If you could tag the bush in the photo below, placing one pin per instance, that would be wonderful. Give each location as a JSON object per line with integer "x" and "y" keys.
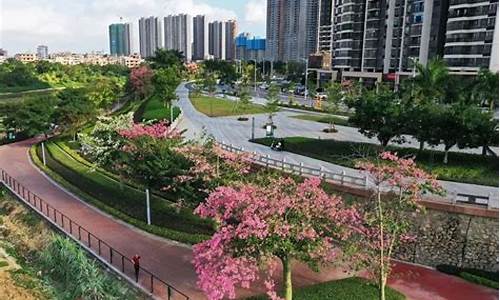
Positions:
{"x": 78, "y": 276}
{"x": 124, "y": 201}
{"x": 489, "y": 279}
{"x": 346, "y": 289}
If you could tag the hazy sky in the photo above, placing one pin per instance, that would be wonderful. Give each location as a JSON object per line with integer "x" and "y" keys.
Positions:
{"x": 82, "y": 25}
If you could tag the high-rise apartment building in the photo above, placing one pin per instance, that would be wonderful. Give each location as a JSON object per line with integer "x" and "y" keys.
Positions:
{"x": 178, "y": 34}
{"x": 274, "y": 30}
{"x": 150, "y": 35}
{"x": 325, "y": 23}
{"x": 200, "y": 38}
{"x": 250, "y": 48}
{"x": 42, "y": 52}
{"x": 292, "y": 29}
{"x": 470, "y": 34}
{"x": 388, "y": 36}
{"x": 120, "y": 39}
{"x": 217, "y": 40}
{"x": 230, "y": 27}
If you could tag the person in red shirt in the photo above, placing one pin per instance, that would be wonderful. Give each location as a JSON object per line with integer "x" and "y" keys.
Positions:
{"x": 137, "y": 265}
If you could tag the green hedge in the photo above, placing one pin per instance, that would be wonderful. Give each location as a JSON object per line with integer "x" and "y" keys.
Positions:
{"x": 346, "y": 289}
{"x": 486, "y": 278}
{"x": 124, "y": 201}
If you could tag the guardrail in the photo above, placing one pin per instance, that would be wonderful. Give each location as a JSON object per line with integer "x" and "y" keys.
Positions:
{"x": 101, "y": 250}
{"x": 300, "y": 169}
{"x": 347, "y": 180}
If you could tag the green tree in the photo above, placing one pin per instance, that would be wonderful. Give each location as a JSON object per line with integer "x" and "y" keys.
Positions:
{"x": 104, "y": 91}
{"x": 31, "y": 116}
{"x": 486, "y": 88}
{"x": 165, "y": 82}
{"x": 225, "y": 71}
{"x": 448, "y": 126}
{"x": 428, "y": 85}
{"x": 335, "y": 97}
{"x": 74, "y": 110}
{"x": 379, "y": 114}
{"x": 164, "y": 58}
{"x": 481, "y": 129}
{"x": 244, "y": 99}
{"x": 272, "y": 101}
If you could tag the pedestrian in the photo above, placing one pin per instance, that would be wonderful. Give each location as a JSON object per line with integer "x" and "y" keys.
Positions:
{"x": 137, "y": 265}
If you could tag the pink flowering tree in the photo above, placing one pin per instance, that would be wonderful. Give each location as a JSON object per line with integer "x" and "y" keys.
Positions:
{"x": 140, "y": 81}
{"x": 397, "y": 188}
{"x": 258, "y": 225}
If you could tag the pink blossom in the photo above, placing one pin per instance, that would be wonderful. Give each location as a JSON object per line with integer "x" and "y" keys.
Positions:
{"x": 157, "y": 131}
{"x": 256, "y": 222}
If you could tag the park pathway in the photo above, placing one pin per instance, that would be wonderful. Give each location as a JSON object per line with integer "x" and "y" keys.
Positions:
{"x": 172, "y": 262}
{"x": 231, "y": 131}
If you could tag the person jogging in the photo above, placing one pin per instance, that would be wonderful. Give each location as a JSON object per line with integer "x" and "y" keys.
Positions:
{"x": 136, "y": 260}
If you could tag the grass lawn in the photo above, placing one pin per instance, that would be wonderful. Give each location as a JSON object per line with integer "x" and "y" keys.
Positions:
{"x": 323, "y": 119}
{"x": 462, "y": 167}
{"x": 217, "y": 107}
{"x": 120, "y": 199}
{"x": 155, "y": 109}
{"x": 345, "y": 289}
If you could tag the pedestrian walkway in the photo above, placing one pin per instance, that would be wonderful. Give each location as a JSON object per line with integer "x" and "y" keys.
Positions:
{"x": 231, "y": 131}
{"x": 171, "y": 261}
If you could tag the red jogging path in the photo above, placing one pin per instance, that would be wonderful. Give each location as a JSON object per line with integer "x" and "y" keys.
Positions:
{"x": 171, "y": 261}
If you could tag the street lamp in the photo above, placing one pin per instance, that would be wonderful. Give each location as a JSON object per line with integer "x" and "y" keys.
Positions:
{"x": 307, "y": 77}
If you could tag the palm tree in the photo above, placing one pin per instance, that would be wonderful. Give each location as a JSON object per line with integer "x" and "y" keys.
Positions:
{"x": 428, "y": 87}
{"x": 486, "y": 88}
{"x": 428, "y": 84}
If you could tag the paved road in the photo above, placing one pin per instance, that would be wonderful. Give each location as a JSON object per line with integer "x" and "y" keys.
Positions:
{"x": 231, "y": 131}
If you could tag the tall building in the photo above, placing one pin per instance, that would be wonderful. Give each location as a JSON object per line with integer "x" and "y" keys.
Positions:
{"x": 250, "y": 48}
{"x": 291, "y": 29}
{"x": 217, "y": 40}
{"x": 230, "y": 27}
{"x": 388, "y": 36}
{"x": 120, "y": 39}
{"x": 42, "y": 52}
{"x": 470, "y": 34}
{"x": 200, "y": 37}
{"x": 150, "y": 35}
{"x": 274, "y": 30}
{"x": 178, "y": 34}
{"x": 325, "y": 23}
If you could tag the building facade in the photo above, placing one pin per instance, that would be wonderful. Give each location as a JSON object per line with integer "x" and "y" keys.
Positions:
{"x": 120, "y": 39}
{"x": 470, "y": 34}
{"x": 248, "y": 48}
{"x": 178, "y": 34}
{"x": 200, "y": 38}
{"x": 217, "y": 40}
{"x": 274, "y": 30}
{"x": 42, "y": 52}
{"x": 389, "y": 36}
{"x": 291, "y": 29}
{"x": 150, "y": 35}
{"x": 231, "y": 28}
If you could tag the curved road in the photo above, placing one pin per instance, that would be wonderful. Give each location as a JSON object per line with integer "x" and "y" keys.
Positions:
{"x": 172, "y": 262}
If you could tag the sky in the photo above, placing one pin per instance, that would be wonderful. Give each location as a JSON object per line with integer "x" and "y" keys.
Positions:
{"x": 82, "y": 25}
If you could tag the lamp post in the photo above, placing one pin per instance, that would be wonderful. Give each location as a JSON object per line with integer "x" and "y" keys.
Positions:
{"x": 307, "y": 78}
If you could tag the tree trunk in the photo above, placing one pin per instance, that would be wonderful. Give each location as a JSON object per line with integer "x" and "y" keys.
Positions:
{"x": 445, "y": 160}
{"x": 287, "y": 278}
{"x": 422, "y": 146}
{"x": 382, "y": 275}
{"x": 485, "y": 150}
